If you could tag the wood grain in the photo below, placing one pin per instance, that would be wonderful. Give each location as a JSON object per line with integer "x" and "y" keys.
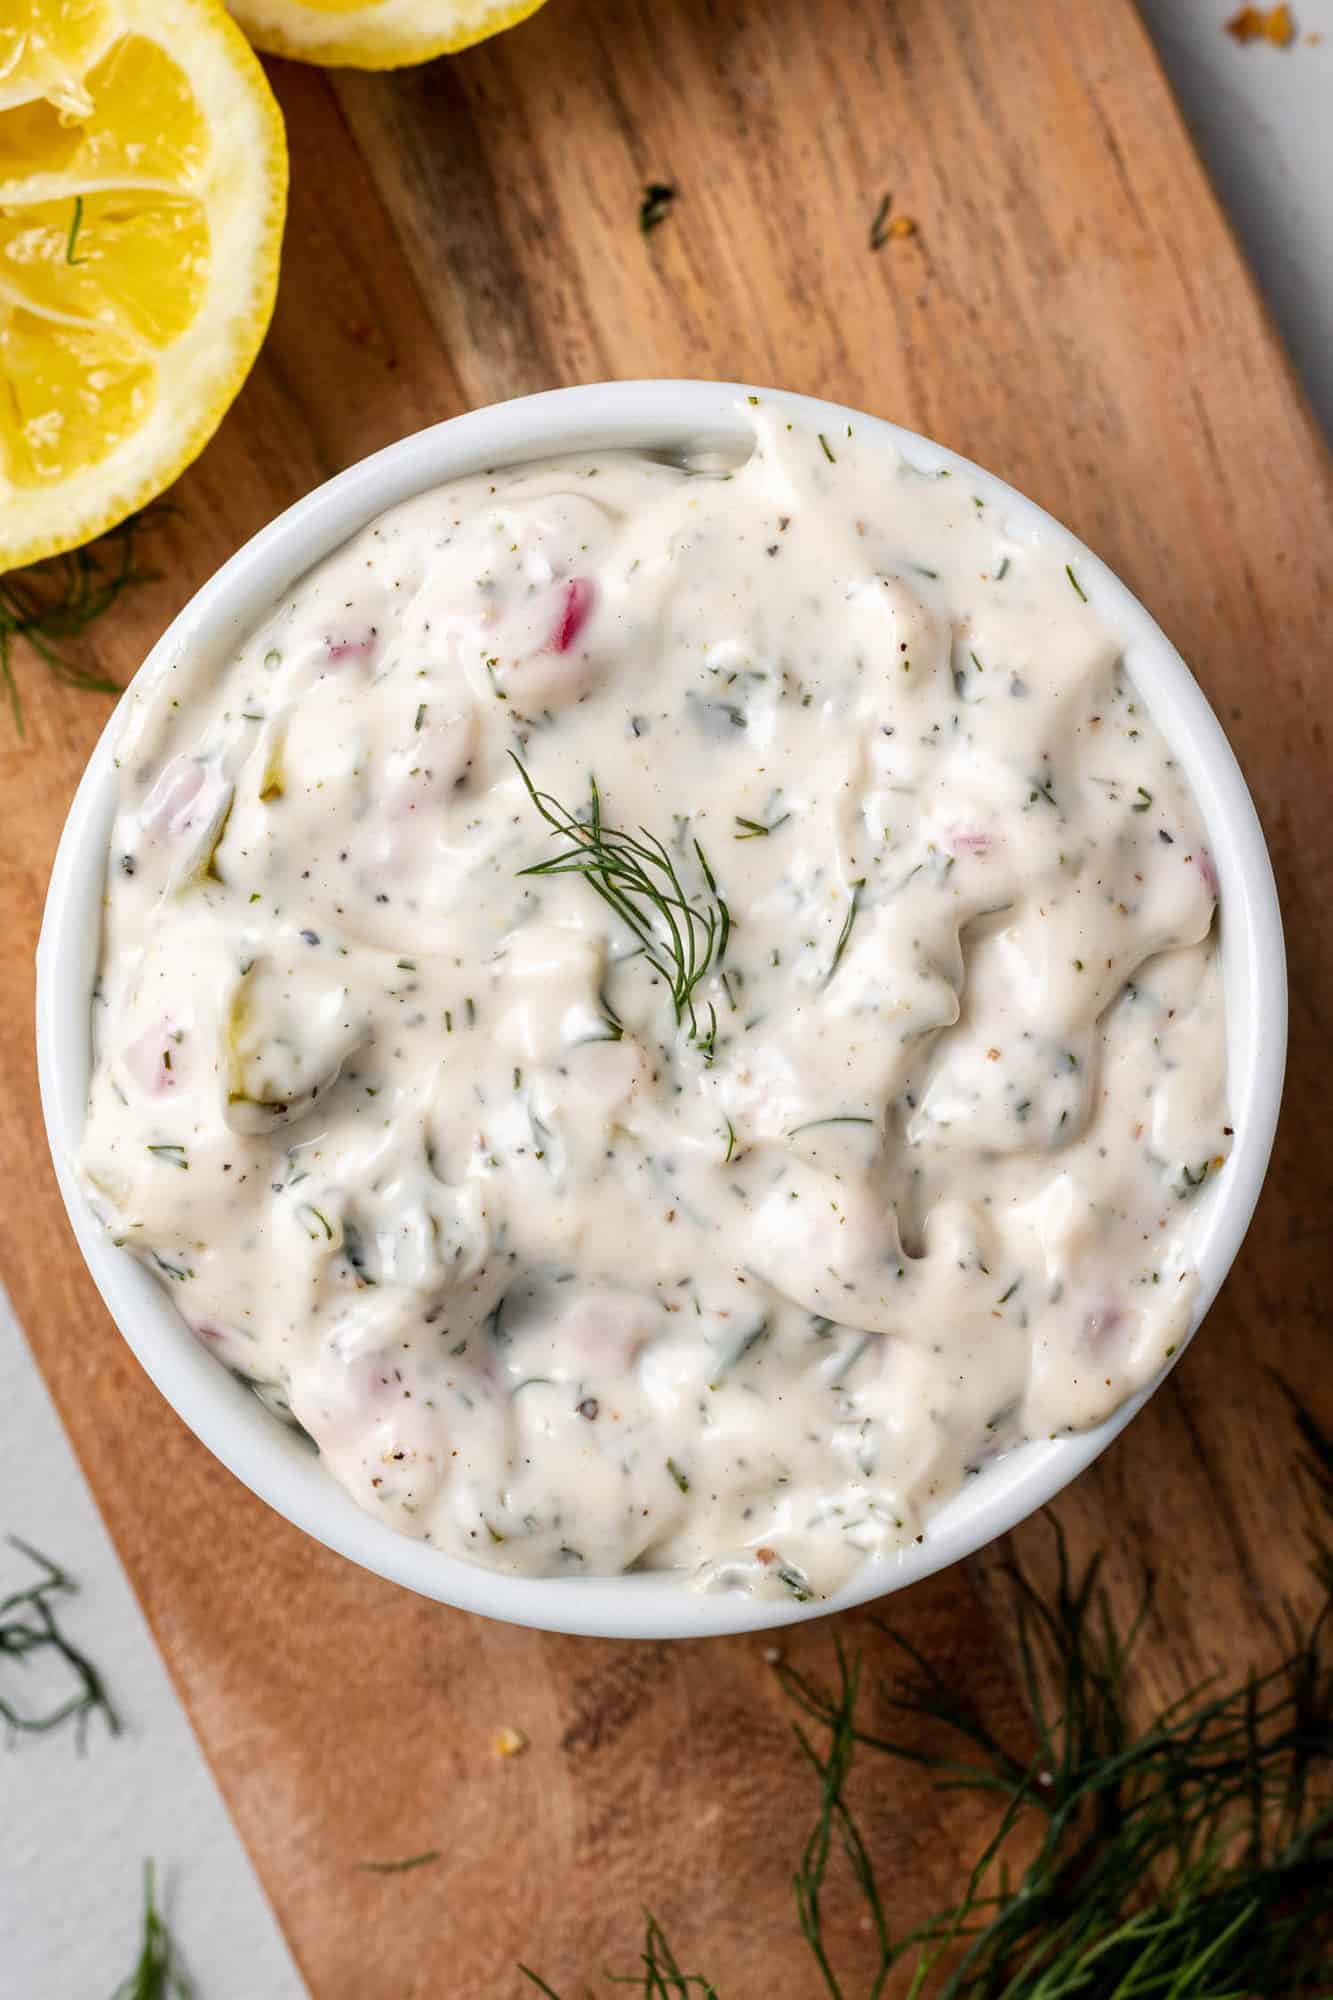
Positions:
{"x": 1071, "y": 311}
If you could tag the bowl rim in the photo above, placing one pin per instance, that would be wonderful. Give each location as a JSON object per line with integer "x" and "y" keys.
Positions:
{"x": 227, "y": 1418}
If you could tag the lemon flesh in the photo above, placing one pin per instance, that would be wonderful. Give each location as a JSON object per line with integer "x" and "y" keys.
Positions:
{"x": 143, "y": 182}
{"x": 374, "y": 34}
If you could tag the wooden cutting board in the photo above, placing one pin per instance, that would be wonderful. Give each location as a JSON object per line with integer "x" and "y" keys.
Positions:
{"x": 1072, "y": 311}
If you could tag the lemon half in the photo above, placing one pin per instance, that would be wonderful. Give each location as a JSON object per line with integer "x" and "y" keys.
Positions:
{"x": 375, "y": 34}
{"x": 143, "y": 184}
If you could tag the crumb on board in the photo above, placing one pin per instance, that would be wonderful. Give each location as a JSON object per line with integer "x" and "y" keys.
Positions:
{"x": 509, "y": 1742}
{"x": 772, "y": 1656}
{"x": 1263, "y": 24}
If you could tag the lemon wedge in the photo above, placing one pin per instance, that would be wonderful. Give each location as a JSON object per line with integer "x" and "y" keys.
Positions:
{"x": 375, "y": 34}
{"x": 143, "y": 184}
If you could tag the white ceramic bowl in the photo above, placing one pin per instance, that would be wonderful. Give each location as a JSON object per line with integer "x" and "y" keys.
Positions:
{"x": 274, "y": 1461}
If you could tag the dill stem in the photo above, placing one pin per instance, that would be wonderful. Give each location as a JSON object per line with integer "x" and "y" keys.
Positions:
{"x": 636, "y": 877}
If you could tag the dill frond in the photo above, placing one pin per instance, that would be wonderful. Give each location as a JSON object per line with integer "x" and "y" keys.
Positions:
{"x": 1191, "y": 1859}
{"x": 29, "y": 1626}
{"x": 52, "y": 602}
{"x": 683, "y": 940}
{"x": 660, "y": 1977}
{"x": 834, "y": 1819}
{"x": 156, "y": 1975}
{"x": 537, "y": 1980}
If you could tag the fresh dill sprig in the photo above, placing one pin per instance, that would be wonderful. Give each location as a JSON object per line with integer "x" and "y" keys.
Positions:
{"x": 1188, "y": 1860}
{"x": 156, "y": 1976}
{"x": 635, "y": 876}
{"x": 660, "y": 1978}
{"x": 54, "y": 601}
{"x": 834, "y": 1818}
{"x": 29, "y": 1626}
{"x": 1202, "y": 1844}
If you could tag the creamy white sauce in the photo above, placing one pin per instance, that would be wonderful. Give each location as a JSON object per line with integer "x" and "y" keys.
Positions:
{"x": 416, "y": 1138}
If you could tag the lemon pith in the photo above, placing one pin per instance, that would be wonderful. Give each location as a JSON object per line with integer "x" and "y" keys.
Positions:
{"x": 375, "y": 34}
{"x": 143, "y": 179}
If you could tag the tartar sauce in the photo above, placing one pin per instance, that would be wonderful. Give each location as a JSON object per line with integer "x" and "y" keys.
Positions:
{"x": 666, "y": 1014}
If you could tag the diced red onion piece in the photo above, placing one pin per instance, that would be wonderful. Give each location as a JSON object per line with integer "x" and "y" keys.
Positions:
{"x": 575, "y": 611}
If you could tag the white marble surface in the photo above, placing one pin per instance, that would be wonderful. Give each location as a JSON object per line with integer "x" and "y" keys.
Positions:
{"x": 1262, "y": 119}
{"x": 75, "y": 1829}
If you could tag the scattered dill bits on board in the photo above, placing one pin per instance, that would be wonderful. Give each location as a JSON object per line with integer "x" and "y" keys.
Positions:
{"x": 156, "y": 1976}
{"x": 29, "y": 1628}
{"x": 655, "y": 207}
{"x": 887, "y": 227}
{"x": 55, "y": 601}
{"x": 399, "y": 1867}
